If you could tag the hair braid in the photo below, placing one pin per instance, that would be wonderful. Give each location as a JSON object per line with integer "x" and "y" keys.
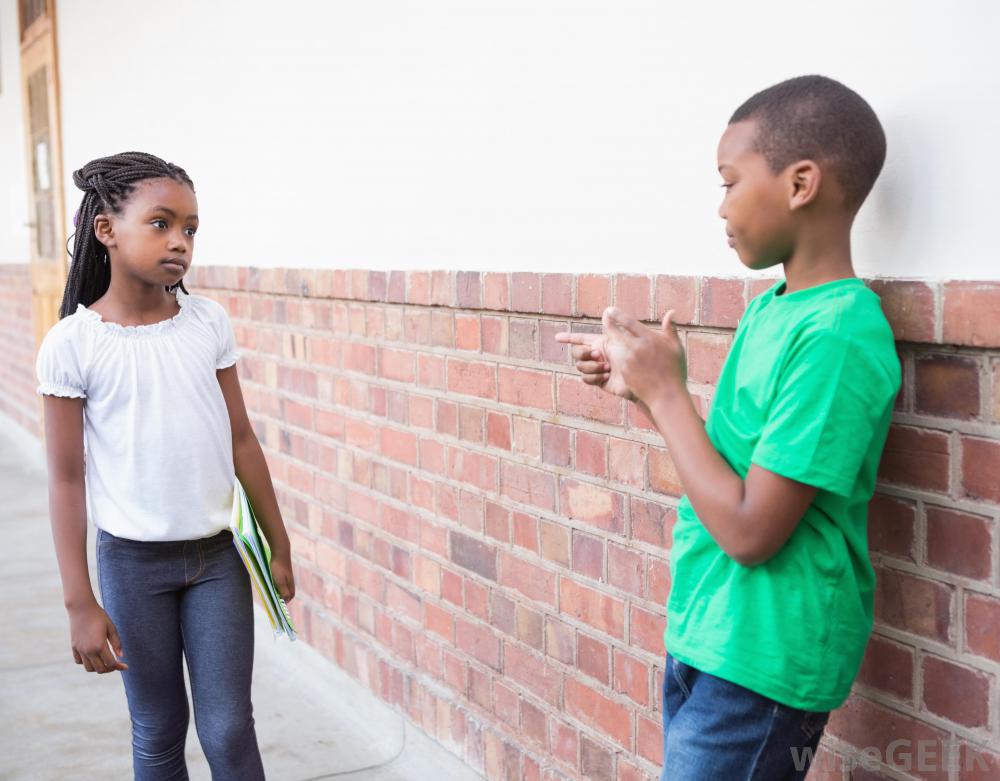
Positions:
{"x": 106, "y": 183}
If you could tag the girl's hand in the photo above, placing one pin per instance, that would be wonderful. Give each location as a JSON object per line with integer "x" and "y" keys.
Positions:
{"x": 650, "y": 362}
{"x": 590, "y": 358}
{"x": 95, "y": 640}
{"x": 284, "y": 581}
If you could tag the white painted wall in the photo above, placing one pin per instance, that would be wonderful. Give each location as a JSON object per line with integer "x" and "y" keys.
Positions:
{"x": 15, "y": 238}
{"x": 573, "y": 135}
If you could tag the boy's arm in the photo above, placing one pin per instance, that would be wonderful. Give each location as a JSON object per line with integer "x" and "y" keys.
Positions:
{"x": 750, "y": 519}
{"x": 251, "y": 469}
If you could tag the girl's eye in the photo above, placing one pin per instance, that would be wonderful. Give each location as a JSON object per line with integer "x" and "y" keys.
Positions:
{"x": 725, "y": 186}
{"x": 159, "y": 223}
{"x": 191, "y": 231}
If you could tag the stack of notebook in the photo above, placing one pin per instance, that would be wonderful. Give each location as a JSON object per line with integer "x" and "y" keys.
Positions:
{"x": 256, "y": 555}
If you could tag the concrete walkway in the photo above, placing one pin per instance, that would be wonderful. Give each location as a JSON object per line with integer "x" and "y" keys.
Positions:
{"x": 60, "y": 722}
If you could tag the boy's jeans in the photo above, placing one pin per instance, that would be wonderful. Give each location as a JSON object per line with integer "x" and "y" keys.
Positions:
{"x": 190, "y": 600}
{"x": 713, "y": 728}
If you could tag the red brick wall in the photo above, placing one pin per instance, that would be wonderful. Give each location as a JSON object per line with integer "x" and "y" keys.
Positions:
{"x": 483, "y": 541}
{"x": 17, "y": 368}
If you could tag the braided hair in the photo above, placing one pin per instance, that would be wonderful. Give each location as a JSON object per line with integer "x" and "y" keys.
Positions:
{"x": 107, "y": 183}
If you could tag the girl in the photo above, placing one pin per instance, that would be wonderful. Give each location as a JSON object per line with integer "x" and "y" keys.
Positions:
{"x": 145, "y": 427}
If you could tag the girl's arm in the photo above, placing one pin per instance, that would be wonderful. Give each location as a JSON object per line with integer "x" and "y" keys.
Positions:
{"x": 90, "y": 628}
{"x": 252, "y": 471}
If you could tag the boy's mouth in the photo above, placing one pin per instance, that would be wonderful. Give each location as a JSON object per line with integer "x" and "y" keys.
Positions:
{"x": 174, "y": 264}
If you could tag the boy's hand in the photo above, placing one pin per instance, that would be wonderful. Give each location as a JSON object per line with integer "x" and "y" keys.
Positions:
{"x": 649, "y": 362}
{"x": 281, "y": 570}
{"x": 590, "y": 359}
{"x": 95, "y": 640}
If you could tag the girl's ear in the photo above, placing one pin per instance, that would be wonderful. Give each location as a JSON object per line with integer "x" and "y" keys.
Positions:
{"x": 805, "y": 178}
{"x": 104, "y": 230}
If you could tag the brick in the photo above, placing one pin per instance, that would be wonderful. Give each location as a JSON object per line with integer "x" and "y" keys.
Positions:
{"x": 588, "y": 555}
{"x": 526, "y": 531}
{"x": 530, "y": 670}
{"x": 599, "y": 610}
{"x": 431, "y": 372}
{"x": 996, "y": 390}
{"x": 523, "y": 339}
{"x": 471, "y": 424}
{"x": 593, "y": 658}
{"x": 982, "y": 625}
{"x": 627, "y": 462}
{"x": 972, "y": 313}
{"x": 554, "y": 542}
{"x": 473, "y": 468}
{"x": 657, "y": 580}
{"x": 981, "y": 468}
{"x": 534, "y": 725}
{"x": 398, "y": 446}
{"x": 526, "y": 436}
{"x": 527, "y": 485}
{"x": 593, "y": 505}
{"x": 359, "y": 358}
{"x": 528, "y": 578}
{"x": 474, "y": 555}
{"x": 916, "y": 457}
{"x": 591, "y": 455}
{"x": 555, "y": 445}
{"x": 631, "y": 677}
{"x": 472, "y": 378}
{"x": 649, "y": 739}
{"x": 496, "y": 294}
{"x": 468, "y": 290}
{"x": 888, "y": 666}
{"x": 625, "y": 569}
{"x": 652, "y": 522}
{"x": 918, "y": 605}
{"x": 608, "y": 717}
{"x": 646, "y": 630}
{"x": 947, "y": 386}
{"x": 478, "y": 641}
{"x": 596, "y": 762}
{"x": 549, "y": 350}
{"x": 663, "y": 477}
{"x": 525, "y": 292}
{"x": 477, "y": 599}
{"x": 722, "y": 303}
{"x": 467, "y": 333}
{"x": 593, "y": 294}
{"x": 505, "y": 704}
{"x": 862, "y": 723}
{"x": 706, "y": 354}
{"x": 526, "y": 388}
{"x": 909, "y": 308}
{"x": 557, "y": 294}
{"x": 495, "y": 334}
{"x": 565, "y": 743}
{"x": 959, "y": 542}
{"x": 498, "y": 430}
{"x": 585, "y": 401}
{"x": 442, "y": 288}
{"x": 679, "y": 294}
{"x": 957, "y": 693}
{"x": 976, "y": 764}
{"x": 891, "y": 526}
{"x": 633, "y": 295}
{"x": 530, "y": 627}
{"x": 442, "y": 328}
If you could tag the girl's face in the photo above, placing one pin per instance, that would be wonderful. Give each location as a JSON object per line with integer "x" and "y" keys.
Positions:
{"x": 152, "y": 239}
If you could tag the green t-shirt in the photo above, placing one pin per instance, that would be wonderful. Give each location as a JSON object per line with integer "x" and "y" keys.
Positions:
{"x": 806, "y": 392}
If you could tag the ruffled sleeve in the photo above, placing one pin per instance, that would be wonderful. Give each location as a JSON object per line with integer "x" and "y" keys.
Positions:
{"x": 58, "y": 366}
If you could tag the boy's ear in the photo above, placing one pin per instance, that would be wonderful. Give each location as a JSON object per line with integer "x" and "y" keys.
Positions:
{"x": 104, "y": 230}
{"x": 805, "y": 178}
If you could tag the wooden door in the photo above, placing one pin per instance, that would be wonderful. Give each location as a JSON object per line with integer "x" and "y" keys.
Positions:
{"x": 40, "y": 94}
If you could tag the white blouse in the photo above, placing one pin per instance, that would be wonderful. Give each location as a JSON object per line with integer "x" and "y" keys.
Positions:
{"x": 157, "y": 438}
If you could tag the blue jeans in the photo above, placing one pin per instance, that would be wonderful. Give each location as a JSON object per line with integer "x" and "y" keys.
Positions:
{"x": 713, "y": 728}
{"x": 183, "y": 600}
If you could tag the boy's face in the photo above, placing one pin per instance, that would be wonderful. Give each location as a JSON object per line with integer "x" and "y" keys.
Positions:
{"x": 755, "y": 206}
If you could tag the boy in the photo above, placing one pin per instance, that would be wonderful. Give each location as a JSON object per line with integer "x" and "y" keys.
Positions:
{"x": 770, "y": 605}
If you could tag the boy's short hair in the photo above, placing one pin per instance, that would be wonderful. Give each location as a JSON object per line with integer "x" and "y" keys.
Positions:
{"x": 817, "y": 118}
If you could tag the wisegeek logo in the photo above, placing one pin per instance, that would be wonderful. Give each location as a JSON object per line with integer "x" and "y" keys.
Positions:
{"x": 924, "y": 756}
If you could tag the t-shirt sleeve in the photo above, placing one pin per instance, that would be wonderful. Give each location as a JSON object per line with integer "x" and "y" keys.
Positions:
{"x": 830, "y": 400}
{"x": 227, "y": 353}
{"x": 58, "y": 366}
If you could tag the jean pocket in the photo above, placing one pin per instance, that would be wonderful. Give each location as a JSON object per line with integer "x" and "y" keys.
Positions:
{"x": 680, "y": 671}
{"x": 813, "y": 722}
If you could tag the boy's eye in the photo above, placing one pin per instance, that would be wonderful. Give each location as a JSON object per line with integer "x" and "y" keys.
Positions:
{"x": 159, "y": 223}
{"x": 191, "y": 231}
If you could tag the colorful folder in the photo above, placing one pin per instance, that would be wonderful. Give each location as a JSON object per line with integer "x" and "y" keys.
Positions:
{"x": 256, "y": 555}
